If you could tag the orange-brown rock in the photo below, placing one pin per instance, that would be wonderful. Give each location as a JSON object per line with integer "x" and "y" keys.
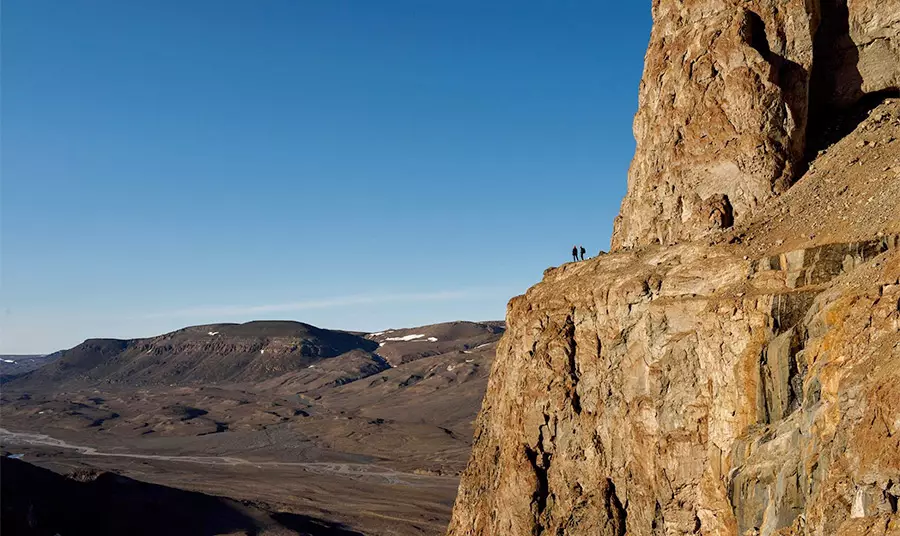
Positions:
{"x": 859, "y": 50}
{"x": 725, "y": 103}
{"x": 688, "y": 391}
{"x": 743, "y": 384}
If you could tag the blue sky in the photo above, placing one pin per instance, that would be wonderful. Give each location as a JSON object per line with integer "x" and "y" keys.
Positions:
{"x": 352, "y": 164}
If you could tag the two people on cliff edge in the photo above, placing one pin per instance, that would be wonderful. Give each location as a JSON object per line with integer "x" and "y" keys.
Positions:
{"x": 575, "y": 251}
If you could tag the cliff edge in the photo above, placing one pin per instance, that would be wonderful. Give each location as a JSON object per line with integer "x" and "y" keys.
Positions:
{"x": 733, "y": 367}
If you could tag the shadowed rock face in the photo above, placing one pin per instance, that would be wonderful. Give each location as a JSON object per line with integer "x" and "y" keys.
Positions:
{"x": 729, "y": 94}
{"x": 858, "y": 50}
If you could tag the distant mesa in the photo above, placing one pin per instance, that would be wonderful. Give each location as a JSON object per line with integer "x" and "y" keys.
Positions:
{"x": 252, "y": 352}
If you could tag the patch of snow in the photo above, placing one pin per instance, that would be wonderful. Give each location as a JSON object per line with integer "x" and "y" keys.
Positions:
{"x": 262, "y": 351}
{"x": 482, "y": 345}
{"x": 405, "y": 338}
{"x": 380, "y": 344}
{"x": 15, "y": 456}
{"x": 311, "y": 366}
{"x": 40, "y": 413}
{"x": 211, "y": 333}
{"x": 432, "y": 339}
{"x": 376, "y": 334}
{"x": 8, "y": 360}
{"x": 470, "y": 360}
{"x": 467, "y": 352}
{"x": 450, "y": 368}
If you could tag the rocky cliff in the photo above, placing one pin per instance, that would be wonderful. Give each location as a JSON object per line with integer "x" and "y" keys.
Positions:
{"x": 731, "y": 90}
{"x": 733, "y": 368}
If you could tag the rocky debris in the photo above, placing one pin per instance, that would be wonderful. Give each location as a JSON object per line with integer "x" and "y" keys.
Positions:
{"x": 845, "y": 196}
{"x": 729, "y": 92}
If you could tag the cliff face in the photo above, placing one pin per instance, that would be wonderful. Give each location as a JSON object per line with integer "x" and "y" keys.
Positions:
{"x": 692, "y": 392}
{"x": 720, "y": 382}
{"x": 859, "y": 50}
{"x": 728, "y": 92}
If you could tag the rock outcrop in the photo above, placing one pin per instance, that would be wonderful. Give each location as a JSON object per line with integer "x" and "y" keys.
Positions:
{"x": 859, "y": 50}
{"x": 728, "y": 92}
{"x": 737, "y": 382}
{"x": 688, "y": 391}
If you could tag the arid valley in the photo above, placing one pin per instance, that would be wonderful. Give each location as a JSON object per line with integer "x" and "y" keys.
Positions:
{"x": 349, "y": 430}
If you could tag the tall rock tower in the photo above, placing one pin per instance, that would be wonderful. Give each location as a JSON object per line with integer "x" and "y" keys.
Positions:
{"x": 725, "y": 104}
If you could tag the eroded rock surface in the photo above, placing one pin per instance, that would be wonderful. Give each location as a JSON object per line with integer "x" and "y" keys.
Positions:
{"x": 726, "y": 100}
{"x": 689, "y": 391}
{"x": 859, "y": 47}
{"x": 744, "y": 382}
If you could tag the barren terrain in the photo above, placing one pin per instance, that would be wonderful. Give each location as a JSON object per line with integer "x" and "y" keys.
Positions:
{"x": 370, "y": 435}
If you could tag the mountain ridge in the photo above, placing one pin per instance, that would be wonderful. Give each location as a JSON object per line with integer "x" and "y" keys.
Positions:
{"x": 252, "y": 352}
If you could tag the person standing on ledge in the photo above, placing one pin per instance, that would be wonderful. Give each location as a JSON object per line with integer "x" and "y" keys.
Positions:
{"x": 582, "y": 252}
{"x": 574, "y": 253}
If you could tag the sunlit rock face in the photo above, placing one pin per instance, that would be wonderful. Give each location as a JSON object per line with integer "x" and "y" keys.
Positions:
{"x": 733, "y": 366}
{"x": 726, "y": 100}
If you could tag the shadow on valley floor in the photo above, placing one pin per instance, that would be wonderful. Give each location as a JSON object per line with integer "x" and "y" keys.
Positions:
{"x": 37, "y": 501}
{"x": 311, "y": 526}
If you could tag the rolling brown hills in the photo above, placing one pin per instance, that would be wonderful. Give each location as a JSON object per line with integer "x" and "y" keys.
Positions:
{"x": 342, "y": 427}
{"x": 199, "y": 355}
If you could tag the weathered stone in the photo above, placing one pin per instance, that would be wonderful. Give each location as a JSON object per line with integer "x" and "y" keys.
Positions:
{"x": 747, "y": 384}
{"x": 697, "y": 409}
{"x": 857, "y": 50}
{"x": 725, "y": 103}
{"x": 722, "y": 112}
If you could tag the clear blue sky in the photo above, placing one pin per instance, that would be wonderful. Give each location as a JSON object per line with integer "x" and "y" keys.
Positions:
{"x": 352, "y": 164}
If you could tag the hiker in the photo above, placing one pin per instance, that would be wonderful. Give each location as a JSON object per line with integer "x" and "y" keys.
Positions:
{"x": 582, "y": 252}
{"x": 574, "y": 253}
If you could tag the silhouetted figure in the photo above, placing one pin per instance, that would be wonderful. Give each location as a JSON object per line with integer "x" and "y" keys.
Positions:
{"x": 582, "y": 252}
{"x": 574, "y": 253}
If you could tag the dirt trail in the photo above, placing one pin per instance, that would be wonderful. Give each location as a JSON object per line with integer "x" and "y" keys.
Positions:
{"x": 350, "y": 470}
